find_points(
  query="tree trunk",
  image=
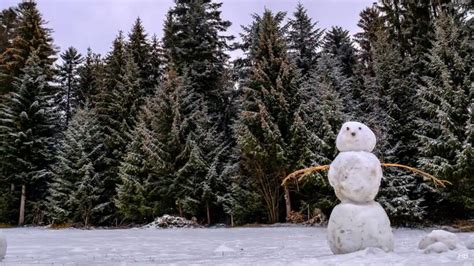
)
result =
(180, 210)
(287, 202)
(232, 220)
(21, 219)
(208, 214)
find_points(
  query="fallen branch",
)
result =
(307, 171)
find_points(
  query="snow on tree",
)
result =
(67, 96)
(28, 127)
(445, 129)
(304, 39)
(76, 181)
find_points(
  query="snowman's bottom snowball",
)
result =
(3, 246)
(354, 227)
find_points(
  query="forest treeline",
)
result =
(173, 125)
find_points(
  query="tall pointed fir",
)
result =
(370, 22)
(264, 130)
(8, 23)
(195, 45)
(147, 58)
(90, 75)
(117, 105)
(67, 97)
(446, 129)
(392, 115)
(28, 125)
(338, 44)
(304, 39)
(31, 35)
(320, 115)
(76, 182)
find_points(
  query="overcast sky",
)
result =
(95, 23)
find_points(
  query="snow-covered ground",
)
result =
(231, 246)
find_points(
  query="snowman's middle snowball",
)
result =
(355, 176)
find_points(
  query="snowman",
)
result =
(358, 222)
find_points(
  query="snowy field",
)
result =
(234, 246)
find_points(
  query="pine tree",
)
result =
(117, 105)
(78, 158)
(370, 22)
(68, 98)
(445, 129)
(195, 46)
(392, 116)
(90, 74)
(269, 103)
(338, 44)
(30, 36)
(28, 129)
(143, 53)
(8, 22)
(304, 39)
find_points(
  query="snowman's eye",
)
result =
(347, 128)
(360, 128)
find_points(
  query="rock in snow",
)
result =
(358, 222)
(168, 221)
(3, 246)
(450, 240)
(354, 227)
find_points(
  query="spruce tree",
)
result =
(90, 75)
(445, 128)
(268, 107)
(68, 96)
(30, 36)
(195, 46)
(8, 22)
(304, 39)
(117, 105)
(370, 22)
(79, 157)
(28, 129)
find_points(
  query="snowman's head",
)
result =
(355, 136)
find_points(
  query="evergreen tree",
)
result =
(78, 159)
(68, 98)
(304, 39)
(392, 116)
(28, 128)
(445, 129)
(30, 36)
(146, 56)
(90, 75)
(195, 46)
(117, 106)
(370, 22)
(8, 22)
(338, 44)
(269, 103)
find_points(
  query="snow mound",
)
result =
(470, 243)
(439, 241)
(168, 221)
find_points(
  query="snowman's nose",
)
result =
(353, 134)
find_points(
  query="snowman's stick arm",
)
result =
(426, 176)
(303, 172)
